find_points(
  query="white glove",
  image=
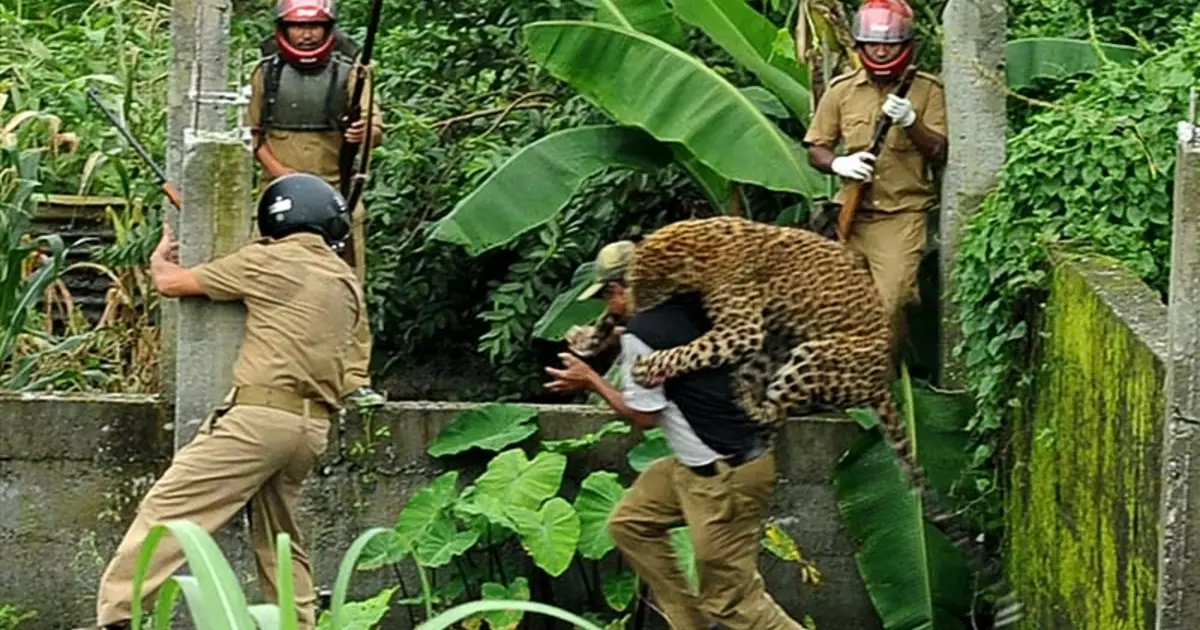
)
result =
(900, 110)
(860, 166)
(1187, 132)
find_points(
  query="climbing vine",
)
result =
(1091, 174)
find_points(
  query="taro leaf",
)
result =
(427, 506)
(653, 447)
(652, 17)
(565, 447)
(443, 542)
(383, 550)
(444, 595)
(490, 427)
(363, 615)
(685, 554)
(620, 589)
(512, 480)
(643, 82)
(549, 535)
(505, 619)
(566, 310)
(598, 495)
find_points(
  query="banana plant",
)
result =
(668, 108)
(914, 575)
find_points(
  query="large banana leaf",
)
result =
(643, 82)
(532, 186)
(751, 39)
(1058, 58)
(652, 17)
(914, 575)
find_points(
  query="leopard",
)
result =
(799, 320)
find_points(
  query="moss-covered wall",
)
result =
(1083, 511)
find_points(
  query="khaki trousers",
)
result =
(250, 455)
(358, 364)
(725, 515)
(893, 244)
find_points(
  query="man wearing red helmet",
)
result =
(300, 94)
(889, 228)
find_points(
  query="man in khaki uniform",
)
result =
(303, 305)
(890, 227)
(717, 481)
(299, 95)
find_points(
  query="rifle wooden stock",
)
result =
(854, 195)
(856, 190)
(172, 192)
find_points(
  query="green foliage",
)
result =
(914, 575)
(1093, 173)
(525, 504)
(12, 616)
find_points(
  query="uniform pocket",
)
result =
(857, 132)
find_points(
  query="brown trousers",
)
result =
(250, 455)
(893, 244)
(725, 515)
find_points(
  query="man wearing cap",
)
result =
(717, 481)
(889, 229)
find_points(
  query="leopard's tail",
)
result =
(1009, 610)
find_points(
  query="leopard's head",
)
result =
(661, 269)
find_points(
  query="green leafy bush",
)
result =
(1092, 173)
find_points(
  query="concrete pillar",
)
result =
(1179, 547)
(210, 333)
(973, 73)
(199, 45)
(213, 167)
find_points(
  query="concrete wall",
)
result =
(1083, 511)
(73, 469)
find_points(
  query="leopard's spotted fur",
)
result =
(800, 318)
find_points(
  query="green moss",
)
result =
(229, 171)
(1083, 511)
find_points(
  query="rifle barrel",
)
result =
(137, 146)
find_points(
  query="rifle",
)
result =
(349, 150)
(168, 188)
(856, 189)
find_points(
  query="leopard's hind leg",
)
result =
(848, 372)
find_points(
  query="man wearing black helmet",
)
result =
(299, 97)
(889, 229)
(254, 451)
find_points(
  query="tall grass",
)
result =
(215, 599)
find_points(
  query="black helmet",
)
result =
(301, 202)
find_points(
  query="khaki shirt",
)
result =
(302, 303)
(848, 112)
(313, 152)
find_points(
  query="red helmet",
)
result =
(885, 22)
(305, 12)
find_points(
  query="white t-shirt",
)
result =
(683, 440)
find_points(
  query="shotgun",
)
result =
(352, 178)
(857, 189)
(168, 188)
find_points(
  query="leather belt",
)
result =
(757, 448)
(283, 401)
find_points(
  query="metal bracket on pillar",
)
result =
(222, 99)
